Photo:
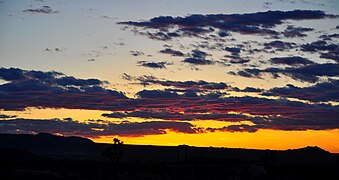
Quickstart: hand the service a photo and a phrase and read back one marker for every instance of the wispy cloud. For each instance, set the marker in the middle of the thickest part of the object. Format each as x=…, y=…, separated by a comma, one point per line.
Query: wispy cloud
x=42, y=10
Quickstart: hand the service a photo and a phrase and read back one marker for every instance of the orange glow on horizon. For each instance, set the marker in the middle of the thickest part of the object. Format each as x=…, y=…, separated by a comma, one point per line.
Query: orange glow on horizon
x=262, y=139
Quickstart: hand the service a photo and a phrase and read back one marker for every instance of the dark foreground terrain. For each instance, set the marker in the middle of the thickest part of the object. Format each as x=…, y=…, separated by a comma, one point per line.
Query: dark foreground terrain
x=45, y=156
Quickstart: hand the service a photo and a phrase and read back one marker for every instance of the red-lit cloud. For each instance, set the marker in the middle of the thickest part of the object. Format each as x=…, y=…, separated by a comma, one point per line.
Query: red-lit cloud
x=55, y=90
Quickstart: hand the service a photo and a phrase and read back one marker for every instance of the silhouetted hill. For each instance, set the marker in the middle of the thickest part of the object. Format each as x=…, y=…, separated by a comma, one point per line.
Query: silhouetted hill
x=310, y=150
x=45, y=156
x=76, y=147
x=309, y=154
x=44, y=143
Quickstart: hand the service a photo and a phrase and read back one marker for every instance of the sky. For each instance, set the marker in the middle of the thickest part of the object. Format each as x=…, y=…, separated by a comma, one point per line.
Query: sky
x=221, y=73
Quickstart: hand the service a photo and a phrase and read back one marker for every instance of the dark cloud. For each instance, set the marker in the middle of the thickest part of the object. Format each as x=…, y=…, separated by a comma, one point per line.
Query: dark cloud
x=21, y=76
x=151, y=94
x=127, y=77
x=162, y=36
x=328, y=37
x=191, y=85
x=75, y=128
x=199, y=54
x=223, y=33
x=198, y=57
x=165, y=115
x=136, y=53
x=292, y=32
x=115, y=115
x=72, y=81
x=51, y=89
x=279, y=45
x=308, y=73
x=43, y=10
x=154, y=65
x=239, y=61
x=233, y=50
x=16, y=74
x=198, y=61
x=321, y=92
x=247, y=89
x=249, y=73
x=235, y=59
x=235, y=128
x=4, y=116
x=331, y=55
x=319, y=46
x=259, y=23
x=327, y=51
x=293, y=60
x=172, y=52
x=209, y=45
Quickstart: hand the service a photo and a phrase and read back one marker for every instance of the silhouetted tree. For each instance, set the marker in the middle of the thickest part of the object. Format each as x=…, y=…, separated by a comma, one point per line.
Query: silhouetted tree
x=114, y=154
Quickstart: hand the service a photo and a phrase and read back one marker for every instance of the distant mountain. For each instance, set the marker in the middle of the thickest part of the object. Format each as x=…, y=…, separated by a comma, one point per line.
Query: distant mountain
x=310, y=149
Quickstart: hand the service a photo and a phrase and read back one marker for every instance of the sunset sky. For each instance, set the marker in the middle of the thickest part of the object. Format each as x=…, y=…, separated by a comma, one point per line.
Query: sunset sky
x=222, y=73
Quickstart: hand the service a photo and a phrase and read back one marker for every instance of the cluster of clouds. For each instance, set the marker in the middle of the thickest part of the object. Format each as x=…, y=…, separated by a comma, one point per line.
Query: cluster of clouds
x=216, y=27
x=70, y=127
x=308, y=73
x=198, y=25
x=198, y=57
x=36, y=88
x=234, y=57
x=181, y=102
x=321, y=92
x=327, y=50
x=188, y=85
x=299, y=68
x=195, y=58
